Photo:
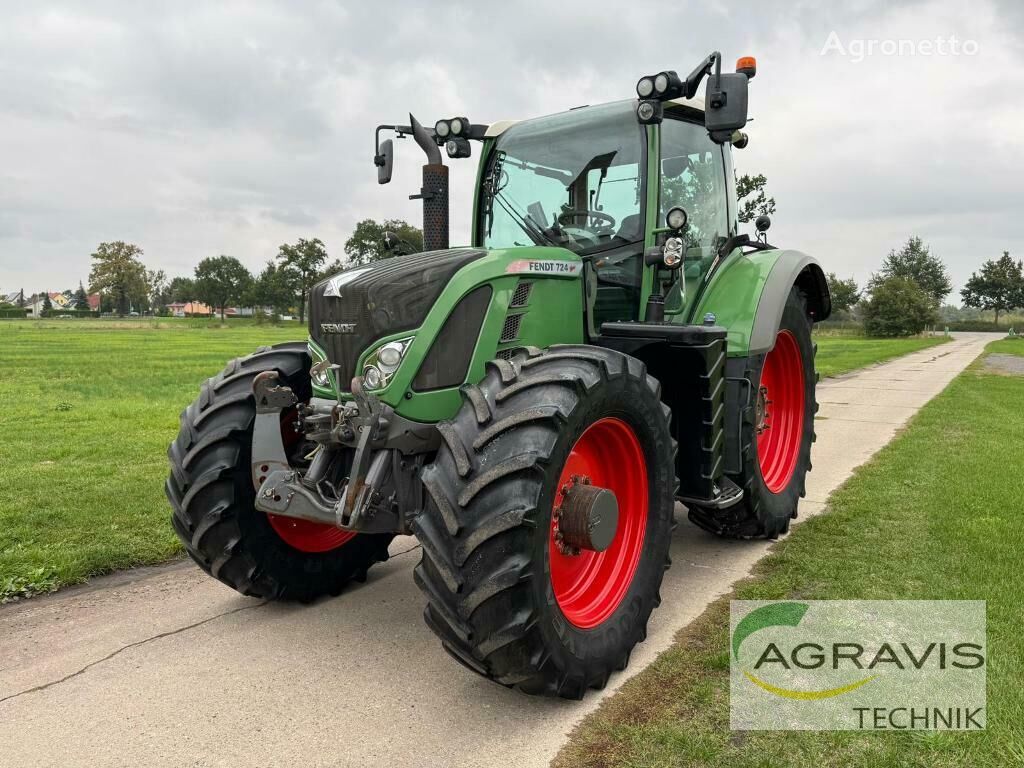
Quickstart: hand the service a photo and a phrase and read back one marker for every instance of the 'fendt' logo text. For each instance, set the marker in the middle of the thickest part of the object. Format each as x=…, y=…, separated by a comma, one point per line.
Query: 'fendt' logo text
x=337, y=327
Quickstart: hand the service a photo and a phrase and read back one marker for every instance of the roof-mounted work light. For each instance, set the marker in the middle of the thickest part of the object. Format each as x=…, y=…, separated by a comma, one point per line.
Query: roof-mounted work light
x=662, y=86
x=453, y=127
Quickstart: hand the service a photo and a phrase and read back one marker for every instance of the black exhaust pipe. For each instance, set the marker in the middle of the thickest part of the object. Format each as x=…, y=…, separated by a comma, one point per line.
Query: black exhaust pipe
x=434, y=192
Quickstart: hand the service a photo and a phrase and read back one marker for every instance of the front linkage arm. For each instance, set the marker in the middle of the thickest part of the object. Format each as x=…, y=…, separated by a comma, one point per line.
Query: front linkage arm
x=380, y=493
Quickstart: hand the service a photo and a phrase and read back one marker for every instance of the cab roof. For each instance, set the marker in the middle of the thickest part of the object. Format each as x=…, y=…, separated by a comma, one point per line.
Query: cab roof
x=500, y=126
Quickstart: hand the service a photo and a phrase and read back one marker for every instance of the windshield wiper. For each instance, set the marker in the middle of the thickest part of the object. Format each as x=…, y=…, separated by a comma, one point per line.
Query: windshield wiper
x=528, y=225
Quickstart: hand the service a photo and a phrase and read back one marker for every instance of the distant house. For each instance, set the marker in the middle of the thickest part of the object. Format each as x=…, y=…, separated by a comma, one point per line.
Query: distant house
x=35, y=304
x=189, y=309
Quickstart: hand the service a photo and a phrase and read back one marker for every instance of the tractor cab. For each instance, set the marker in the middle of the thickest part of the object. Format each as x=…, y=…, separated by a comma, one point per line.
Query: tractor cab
x=600, y=183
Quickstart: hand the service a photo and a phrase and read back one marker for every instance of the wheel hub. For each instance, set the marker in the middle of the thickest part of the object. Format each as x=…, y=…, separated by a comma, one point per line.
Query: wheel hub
x=586, y=517
x=762, y=414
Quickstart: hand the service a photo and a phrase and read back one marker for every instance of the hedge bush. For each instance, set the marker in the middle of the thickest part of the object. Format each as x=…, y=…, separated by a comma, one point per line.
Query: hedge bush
x=898, y=307
x=12, y=313
x=978, y=325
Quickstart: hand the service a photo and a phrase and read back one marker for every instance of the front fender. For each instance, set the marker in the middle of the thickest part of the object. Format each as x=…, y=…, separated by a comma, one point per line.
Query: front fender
x=748, y=293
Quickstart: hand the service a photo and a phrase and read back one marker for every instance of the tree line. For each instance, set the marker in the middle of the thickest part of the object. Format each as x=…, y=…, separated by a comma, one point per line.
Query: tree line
x=125, y=285
x=906, y=295
x=120, y=276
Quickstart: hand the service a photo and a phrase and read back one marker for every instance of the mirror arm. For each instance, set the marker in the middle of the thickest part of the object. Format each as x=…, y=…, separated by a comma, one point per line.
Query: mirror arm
x=704, y=68
x=401, y=131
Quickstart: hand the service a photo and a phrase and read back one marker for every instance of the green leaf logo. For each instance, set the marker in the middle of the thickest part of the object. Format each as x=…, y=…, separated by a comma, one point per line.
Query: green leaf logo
x=774, y=615
x=782, y=615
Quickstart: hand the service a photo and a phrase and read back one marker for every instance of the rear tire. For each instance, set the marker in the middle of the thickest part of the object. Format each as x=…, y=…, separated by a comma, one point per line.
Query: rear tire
x=213, y=499
x=774, y=467
x=486, y=533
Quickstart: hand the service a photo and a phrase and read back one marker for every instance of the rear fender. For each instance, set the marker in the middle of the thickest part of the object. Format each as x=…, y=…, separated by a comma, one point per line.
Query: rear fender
x=747, y=296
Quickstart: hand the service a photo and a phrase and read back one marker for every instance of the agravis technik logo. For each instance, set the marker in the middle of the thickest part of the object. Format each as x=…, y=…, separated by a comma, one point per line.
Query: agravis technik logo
x=848, y=664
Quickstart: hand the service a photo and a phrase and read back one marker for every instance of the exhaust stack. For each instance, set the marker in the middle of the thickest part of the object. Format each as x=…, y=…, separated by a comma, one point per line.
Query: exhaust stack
x=434, y=192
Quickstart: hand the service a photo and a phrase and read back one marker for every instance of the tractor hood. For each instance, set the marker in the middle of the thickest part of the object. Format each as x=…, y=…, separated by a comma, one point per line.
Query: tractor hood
x=353, y=308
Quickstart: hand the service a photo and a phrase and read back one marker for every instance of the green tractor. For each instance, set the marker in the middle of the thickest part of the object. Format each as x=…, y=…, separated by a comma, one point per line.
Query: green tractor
x=530, y=407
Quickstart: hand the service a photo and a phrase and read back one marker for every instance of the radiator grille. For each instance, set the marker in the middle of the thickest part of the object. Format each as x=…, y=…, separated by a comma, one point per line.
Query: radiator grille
x=521, y=296
x=510, y=331
x=385, y=297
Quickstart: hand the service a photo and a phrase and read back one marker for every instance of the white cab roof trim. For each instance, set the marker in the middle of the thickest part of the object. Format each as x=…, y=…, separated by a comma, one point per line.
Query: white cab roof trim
x=499, y=127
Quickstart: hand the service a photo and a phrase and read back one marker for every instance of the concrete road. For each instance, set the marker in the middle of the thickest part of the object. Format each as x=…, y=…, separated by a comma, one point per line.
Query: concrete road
x=165, y=666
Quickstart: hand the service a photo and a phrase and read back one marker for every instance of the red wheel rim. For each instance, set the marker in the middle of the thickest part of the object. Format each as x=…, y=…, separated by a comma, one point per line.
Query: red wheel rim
x=304, y=535
x=780, y=426
x=589, y=586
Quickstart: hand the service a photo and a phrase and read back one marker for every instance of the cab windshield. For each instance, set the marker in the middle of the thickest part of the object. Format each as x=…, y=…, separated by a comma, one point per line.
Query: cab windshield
x=572, y=180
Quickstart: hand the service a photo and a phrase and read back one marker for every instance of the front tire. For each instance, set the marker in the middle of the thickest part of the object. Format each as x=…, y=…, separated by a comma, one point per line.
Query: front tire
x=502, y=596
x=213, y=498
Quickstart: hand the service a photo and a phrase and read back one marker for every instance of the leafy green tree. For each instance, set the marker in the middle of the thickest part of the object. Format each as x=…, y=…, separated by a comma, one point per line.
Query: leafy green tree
x=366, y=243
x=182, y=289
x=333, y=268
x=118, y=272
x=47, y=304
x=221, y=280
x=21, y=298
x=157, y=287
x=845, y=293
x=914, y=261
x=304, y=259
x=275, y=288
x=998, y=285
x=898, y=307
x=81, y=298
x=752, y=198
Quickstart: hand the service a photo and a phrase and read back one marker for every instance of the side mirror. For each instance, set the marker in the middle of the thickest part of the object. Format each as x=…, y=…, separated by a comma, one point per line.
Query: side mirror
x=725, y=105
x=384, y=161
x=395, y=245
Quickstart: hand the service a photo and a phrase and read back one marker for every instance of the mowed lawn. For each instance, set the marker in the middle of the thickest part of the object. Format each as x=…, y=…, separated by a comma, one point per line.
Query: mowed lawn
x=88, y=410
x=89, y=407
x=935, y=515
x=842, y=354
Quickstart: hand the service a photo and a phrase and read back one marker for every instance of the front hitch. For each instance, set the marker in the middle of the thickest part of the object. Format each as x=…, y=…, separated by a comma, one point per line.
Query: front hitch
x=368, y=499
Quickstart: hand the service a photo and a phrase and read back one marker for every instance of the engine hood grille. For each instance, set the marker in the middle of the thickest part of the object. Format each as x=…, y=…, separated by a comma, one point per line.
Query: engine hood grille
x=351, y=310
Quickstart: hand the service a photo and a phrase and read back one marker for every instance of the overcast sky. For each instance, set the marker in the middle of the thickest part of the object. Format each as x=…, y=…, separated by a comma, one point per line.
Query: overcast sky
x=195, y=129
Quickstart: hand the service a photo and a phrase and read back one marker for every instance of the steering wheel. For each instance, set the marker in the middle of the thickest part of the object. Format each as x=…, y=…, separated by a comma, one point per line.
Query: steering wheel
x=595, y=217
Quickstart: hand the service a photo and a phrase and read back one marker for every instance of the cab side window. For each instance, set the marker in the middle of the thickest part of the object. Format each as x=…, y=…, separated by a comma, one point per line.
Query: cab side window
x=693, y=177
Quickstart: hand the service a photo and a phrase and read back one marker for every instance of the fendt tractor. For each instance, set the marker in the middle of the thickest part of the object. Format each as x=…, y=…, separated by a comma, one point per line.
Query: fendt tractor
x=532, y=406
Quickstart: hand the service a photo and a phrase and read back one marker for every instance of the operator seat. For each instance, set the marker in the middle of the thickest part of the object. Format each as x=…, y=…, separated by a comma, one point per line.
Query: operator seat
x=629, y=228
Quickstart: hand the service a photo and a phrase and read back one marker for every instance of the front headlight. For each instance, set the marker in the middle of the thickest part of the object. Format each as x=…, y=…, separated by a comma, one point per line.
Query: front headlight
x=381, y=364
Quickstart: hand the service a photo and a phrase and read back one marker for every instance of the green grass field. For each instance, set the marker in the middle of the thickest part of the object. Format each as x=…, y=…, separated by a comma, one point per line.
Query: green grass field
x=936, y=515
x=89, y=409
x=842, y=354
